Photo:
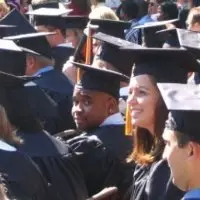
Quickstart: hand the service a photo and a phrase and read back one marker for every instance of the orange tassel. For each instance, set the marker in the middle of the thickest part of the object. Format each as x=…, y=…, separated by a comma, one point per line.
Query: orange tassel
x=88, y=54
x=78, y=75
x=128, y=126
x=89, y=48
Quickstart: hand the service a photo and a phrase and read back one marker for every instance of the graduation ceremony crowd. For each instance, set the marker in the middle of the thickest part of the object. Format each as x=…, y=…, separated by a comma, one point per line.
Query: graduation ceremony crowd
x=99, y=100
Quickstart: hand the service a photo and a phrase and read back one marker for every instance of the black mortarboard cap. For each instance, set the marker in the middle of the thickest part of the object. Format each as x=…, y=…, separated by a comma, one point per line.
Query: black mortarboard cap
x=46, y=5
x=99, y=80
x=111, y=27
x=113, y=40
x=170, y=37
x=75, y=21
x=12, y=58
x=9, y=80
x=49, y=17
x=21, y=24
x=25, y=35
x=183, y=100
x=23, y=98
x=165, y=65
x=190, y=40
x=3, y=29
x=35, y=42
x=149, y=30
x=111, y=53
x=155, y=24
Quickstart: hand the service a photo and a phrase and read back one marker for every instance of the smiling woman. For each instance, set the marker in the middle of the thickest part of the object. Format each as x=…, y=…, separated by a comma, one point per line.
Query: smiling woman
x=148, y=114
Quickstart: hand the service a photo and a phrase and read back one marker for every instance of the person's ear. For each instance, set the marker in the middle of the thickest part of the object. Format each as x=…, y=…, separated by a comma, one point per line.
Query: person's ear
x=193, y=150
x=30, y=65
x=111, y=105
x=57, y=31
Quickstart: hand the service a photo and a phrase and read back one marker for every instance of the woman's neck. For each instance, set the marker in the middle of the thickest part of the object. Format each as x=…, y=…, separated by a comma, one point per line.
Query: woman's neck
x=151, y=129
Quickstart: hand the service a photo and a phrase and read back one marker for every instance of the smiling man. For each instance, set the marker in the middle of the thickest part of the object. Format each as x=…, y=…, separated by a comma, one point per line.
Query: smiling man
x=182, y=136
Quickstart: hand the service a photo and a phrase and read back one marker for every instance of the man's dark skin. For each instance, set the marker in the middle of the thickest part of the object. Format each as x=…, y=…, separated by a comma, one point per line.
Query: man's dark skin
x=91, y=108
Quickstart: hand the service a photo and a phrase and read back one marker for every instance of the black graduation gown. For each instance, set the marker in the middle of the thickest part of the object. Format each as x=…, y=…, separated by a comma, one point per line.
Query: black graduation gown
x=118, y=146
x=114, y=139
x=22, y=177
x=59, y=88
x=57, y=164
x=99, y=167
x=153, y=182
x=61, y=54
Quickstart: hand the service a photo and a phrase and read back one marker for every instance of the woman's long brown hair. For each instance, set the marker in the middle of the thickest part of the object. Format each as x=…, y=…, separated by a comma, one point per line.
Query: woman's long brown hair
x=7, y=132
x=149, y=147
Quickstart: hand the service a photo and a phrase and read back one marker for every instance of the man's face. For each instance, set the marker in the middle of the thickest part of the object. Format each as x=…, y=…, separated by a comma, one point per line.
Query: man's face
x=177, y=159
x=161, y=15
x=152, y=7
x=50, y=38
x=90, y=108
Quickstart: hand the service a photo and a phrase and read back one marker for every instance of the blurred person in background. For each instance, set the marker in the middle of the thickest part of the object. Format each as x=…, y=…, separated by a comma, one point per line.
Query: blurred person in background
x=193, y=20
x=4, y=8
x=167, y=10
x=101, y=12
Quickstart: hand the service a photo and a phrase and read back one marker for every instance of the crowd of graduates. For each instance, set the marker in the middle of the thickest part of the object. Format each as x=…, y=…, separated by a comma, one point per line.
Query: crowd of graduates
x=98, y=102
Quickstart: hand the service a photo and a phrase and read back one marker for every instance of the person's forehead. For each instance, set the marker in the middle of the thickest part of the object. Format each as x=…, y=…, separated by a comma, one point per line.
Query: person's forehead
x=85, y=92
x=142, y=81
x=41, y=27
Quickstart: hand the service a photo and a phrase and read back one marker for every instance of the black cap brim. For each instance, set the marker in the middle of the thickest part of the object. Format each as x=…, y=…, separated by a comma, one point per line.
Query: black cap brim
x=113, y=40
x=30, y=43
x=7, y=45
x=49, y=12
x=75, y=21
x=189, y=40
x=45, y=5
x=180, y=55
x=101, y=72
x=180, y=96
x=29, y=35
x=7, y=80
x=111, y=27
x=156, y=24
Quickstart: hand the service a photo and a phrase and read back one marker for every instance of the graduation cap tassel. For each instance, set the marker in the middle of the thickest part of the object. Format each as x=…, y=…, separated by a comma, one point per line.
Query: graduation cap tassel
x=84, y=47
x=89, y=47
x=128, y=126
x=80, y=52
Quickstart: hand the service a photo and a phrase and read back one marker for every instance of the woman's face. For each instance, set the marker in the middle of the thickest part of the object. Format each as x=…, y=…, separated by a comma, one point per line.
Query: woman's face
x=142, y=100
